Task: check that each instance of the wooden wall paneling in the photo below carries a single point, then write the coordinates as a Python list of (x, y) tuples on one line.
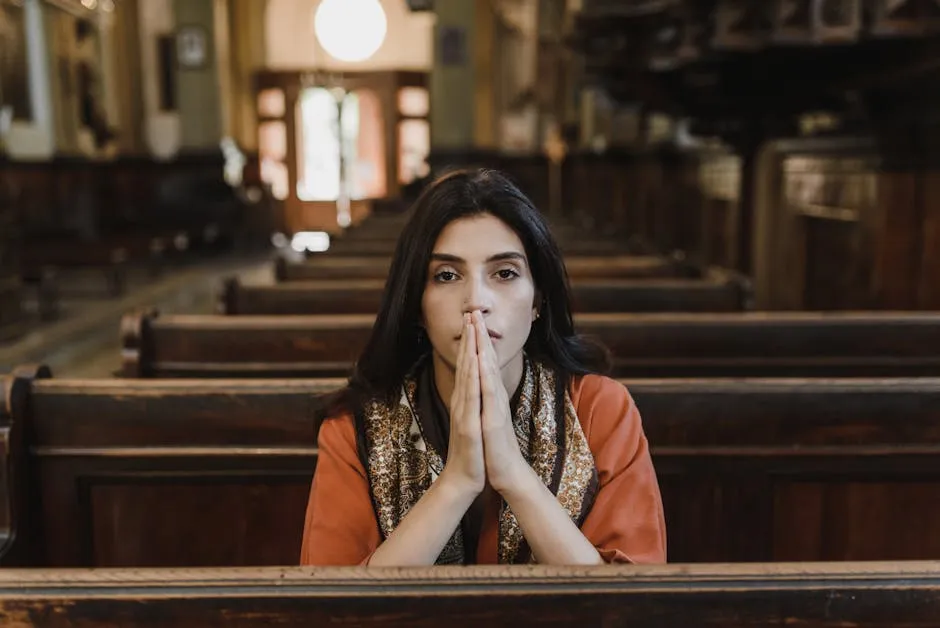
[(119, 509), (825, 227), (836, 520), (687, 207), (929, 289), (831, 250), (635, 224), (897, 259), (571, 170)]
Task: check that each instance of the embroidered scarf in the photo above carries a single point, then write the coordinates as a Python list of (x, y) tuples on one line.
[(404, 447)]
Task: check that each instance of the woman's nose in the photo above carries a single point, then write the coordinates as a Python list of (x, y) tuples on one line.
[(477, 297)]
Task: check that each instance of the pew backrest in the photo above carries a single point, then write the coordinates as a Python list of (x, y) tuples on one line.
[(750, 344), (363, 296), (217, 473), (579, 267)]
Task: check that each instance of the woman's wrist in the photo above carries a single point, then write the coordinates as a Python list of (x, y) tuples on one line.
[(459, 489), (521, 481)]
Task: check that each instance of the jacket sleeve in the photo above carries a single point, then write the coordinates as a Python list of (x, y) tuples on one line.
[(340, 526), (626, 522)]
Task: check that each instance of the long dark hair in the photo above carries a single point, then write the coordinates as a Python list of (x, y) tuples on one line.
[(398, 341)]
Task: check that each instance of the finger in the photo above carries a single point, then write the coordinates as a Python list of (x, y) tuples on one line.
[(473, 371), (461, 365), (486, 343), (487, 351), (487, 379), (470, 353)]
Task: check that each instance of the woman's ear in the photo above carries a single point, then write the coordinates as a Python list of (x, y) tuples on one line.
[(536, 307)]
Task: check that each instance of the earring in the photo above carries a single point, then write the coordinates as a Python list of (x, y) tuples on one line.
[(536, 315)]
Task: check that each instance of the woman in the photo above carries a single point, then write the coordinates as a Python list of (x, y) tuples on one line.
[(475, 428)]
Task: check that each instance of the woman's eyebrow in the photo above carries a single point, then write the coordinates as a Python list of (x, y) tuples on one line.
[(498, 257), (508, 255)]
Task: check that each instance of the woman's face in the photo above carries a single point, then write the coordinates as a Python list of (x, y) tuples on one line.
[(479, 263)]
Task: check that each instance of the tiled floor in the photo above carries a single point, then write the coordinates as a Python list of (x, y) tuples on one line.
[(84, 342)]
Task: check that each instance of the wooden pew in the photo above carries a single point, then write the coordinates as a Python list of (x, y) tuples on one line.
[(748, 344), (862, 595), (112, 256), (217, 473), (111, 259), (385, 248), (362, 296), (241, 346), (172, 473), (579, 267)]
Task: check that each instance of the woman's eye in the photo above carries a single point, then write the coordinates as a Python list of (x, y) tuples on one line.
[(507, 273), (445, 276)]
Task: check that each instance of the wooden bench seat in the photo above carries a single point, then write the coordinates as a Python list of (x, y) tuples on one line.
[(862, 595), (748, 344), (579, 267), (217, 473), (362, 296)]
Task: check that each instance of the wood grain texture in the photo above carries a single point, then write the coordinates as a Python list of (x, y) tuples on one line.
[(816, 596), (929, 295), (578, 267), (363, 296), (217, 473), (833, 344)]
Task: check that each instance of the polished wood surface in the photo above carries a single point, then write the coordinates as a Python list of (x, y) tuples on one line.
[(363, 296), (865, 595), (578, 267), (748, 344), (217, 473)]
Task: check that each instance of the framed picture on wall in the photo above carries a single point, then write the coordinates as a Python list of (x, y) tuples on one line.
[(192, 47)]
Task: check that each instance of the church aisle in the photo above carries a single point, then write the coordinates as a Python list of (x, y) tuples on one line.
[(85, 342)]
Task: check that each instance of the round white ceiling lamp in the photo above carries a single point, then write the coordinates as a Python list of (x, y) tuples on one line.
[(350, 30)]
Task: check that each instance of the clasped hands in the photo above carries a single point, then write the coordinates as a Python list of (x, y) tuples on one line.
[(483, 447)]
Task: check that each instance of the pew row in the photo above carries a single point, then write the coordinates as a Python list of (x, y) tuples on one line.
[(862, 595), (385, 248), (579, 267), (749, 344), (726, 293), (139, 473), (111, 256)]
